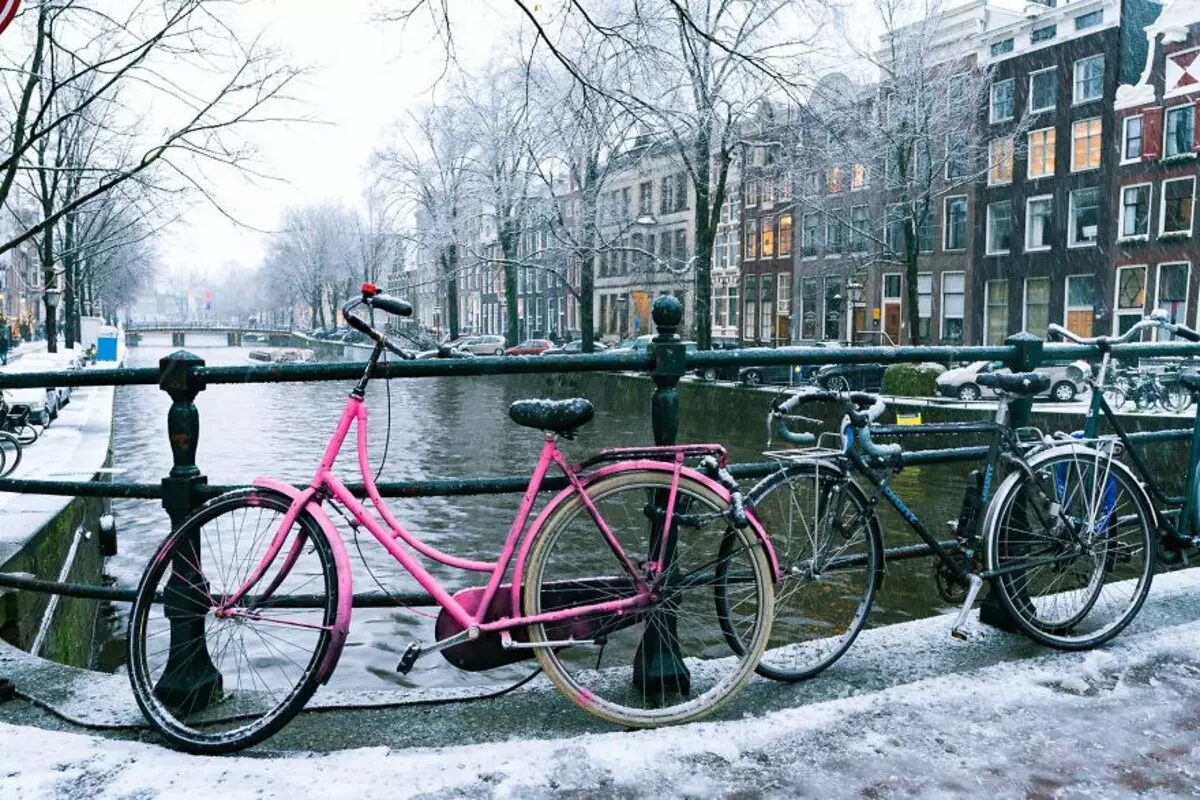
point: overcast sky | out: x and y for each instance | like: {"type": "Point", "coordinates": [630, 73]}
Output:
{"type": "Point", "coordinates": [364, 75]}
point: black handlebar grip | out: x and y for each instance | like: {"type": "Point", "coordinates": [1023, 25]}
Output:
{"type": "Point", "coordinates": [358, 323]}
{"type": "Point", "coordinates": [1184, 332]}
{"type": "Point", "coordinates": [392, 305]}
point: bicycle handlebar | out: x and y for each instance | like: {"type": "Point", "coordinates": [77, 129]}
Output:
{"type": "Point", "coordinates": [1158, 319]}
{"type": "Point", "coordinates": [862, 410]}
{"type": "Point", "coordinates": [372, 297]}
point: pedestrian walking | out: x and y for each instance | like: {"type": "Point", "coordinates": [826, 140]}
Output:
{"type": "Point", "coordinates": [5, 341]}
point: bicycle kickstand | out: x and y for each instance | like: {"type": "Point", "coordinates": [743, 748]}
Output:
{"type": "Point", "coordinates": [959, 631]}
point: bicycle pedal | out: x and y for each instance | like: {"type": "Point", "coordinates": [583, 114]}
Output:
{"type": "Point", "coordinates": [962, 634]}
{"type": "Point", "coordinates": [408, 658]}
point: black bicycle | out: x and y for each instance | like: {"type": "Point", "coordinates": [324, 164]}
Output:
{"type": "Point", "coordinates": [1071, 574]}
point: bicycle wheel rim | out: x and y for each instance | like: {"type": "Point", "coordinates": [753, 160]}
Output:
{"type": "Point", "coordinates": [263, 669]}
{"type": "Point", "coordinates": [831, 562]}
{"type": "Point", "coordinates": [634, 679]}
{"type": "Point", "coordinates": [10, 453]}
{"type": "Point", "coordinates": [1090, 568]}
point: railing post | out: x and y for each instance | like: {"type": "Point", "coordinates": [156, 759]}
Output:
{"type": "Point", "coordinates": [1028, 358]}
{"type": "Point", "coordinates": [190, 681]}
{"type": "Point", "coordinates": [658, 665]}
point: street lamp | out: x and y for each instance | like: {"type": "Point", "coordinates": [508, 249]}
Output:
{"type": "Point", "coordinates": [53, 295]}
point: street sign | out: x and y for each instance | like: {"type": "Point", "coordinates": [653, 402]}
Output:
{"type": "Point", "coordinates": [8, 10]}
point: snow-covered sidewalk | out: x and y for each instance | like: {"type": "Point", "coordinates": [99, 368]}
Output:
{"type": "Point", "coordinates": [1110, 723]}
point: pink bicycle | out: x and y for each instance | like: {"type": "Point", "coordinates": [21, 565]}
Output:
{"type": "Point", "coordinates": [621, 586]}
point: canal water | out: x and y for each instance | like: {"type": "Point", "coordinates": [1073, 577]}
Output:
{"type": "Point", "coordinates": [439, 428]}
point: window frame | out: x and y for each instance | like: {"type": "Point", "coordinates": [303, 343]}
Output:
{"type": "Point", "coordinates": [1134, 237]}
{"type": "Point", "coordinates": [1028, 228]}
{"type": "Point", "coordinates": [987, 234]}
{"type": "Point", "coordinates": [1025, 300]}
{"type": "Point", "coordinates": [942, 293]}
{"type": "Point", "coordinates": [994, 163]}
{"type": "Point", "coordinates": [1117, 312]}
{"type": "Point", "coordinates": [1054, 83]}
{"type": "Point", "coordinates": [1187, 292]}
{"type": "Point", "coordinates": [1075, 82]}
{"type": "Point", "coordinates": [1099, 137]}
{"type": "Point", "coordinates": [1125, 157]}
{"type": "Point", "coordinates": [946, 223]}
{"type": "Point", "coordinates": [857, 236]}
{"type": "Point", "coordinates": [1052, 152]}
{"type": "Point", "coordinates": [818, 229]}
{"type": "Point", "coordinates": [987, 306]}
{"type": "Point", "coordinates": [1189, 152]}
{"type": "Point", "coordinates": [1068, 308]}
{"type": "Point", "coordinates": [1071, 243]}
{"type": "Point", "coordinates": [784, 242]}
{"type": "Point", "coordinates": [992, 118]}
{"type": "Point", "coordinates": [1162, 211]}
{"type": "Point", "coordinates": [1091, 19]}
{"type": "Point", "coordinates": [751, 236]}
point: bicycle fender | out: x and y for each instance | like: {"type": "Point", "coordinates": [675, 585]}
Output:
{"type": "Point", "coordinates": [341, 625]}
{"type": "Point", "coordinates": [601, 474]}
{"type": "Point", "coordinates": [1006, 486]}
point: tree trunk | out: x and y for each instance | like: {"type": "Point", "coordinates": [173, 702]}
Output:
{"type": "Point", "coordinates": [69, 264]}
{"type": "Point", "coordinates": [508, 248]}
{"type": "Point", "coordinates": [587, 256]}
{"type": "Point", "coordinates": [911, 290]}
{"type": "Point", "coordinates": [705, 235]}
{"type": "Point", "coordinates": [47, 248]}
{"type": "Point", "coordinates": [450, 270]}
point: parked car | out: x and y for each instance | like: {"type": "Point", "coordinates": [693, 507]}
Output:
{"type": "Point", "coordinates": [784, 374]}
{"type": "Point", "coordinates": [575, 348]}
{"type": "Point", "coordinates": [850, 377]}
{"type": "Point", "coordinates": [1066, 380]}
{"type": "Point", "coordinates": [67, 360]}
{"type": "Point", "coordinates": [642, 344]}
{"type": "Point", "coordinates": [721, 373]}
{"type": "Point", "coordinates": [490, 345]}
{"type": "Point", "coordinates": [43, 403]}
{"type": "Point", "coordinates": [530, 347]}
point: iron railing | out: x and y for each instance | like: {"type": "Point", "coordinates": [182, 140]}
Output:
{"type": "Point", "coordinates": [184, 375]}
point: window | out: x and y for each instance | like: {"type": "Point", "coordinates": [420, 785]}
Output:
{"type": "Point", "coordinates": [999, 227]}
{"type": "Point", "coordinates": [768, 237]}
{"type": "Point", "coordinates": [1041, 152]}
{"type": "Point", "coordinates": [681, 248]}
{"type": "Point", "coordinates": [1080, 313]}
{"type": "Point", "coordinates": [859, 224]}
{"type": "Point", "coordinates": [1000, 48]}
{"type": "Point", "coordinates": [809, 308]}
{"type": "Point", "coordinates": [1172, 293]}
{"type": "Point", "coordinates": [1000, 166]}
{"type": "Point", "coordinates": [1002, 101]}
{"type": "Point", "coordinates": [925, 305]}
{"type": "Point", "coordinates": [953, 293]}
{"type": "Point", "coordinates": [1037, 306]}
{"type": "Point", "coordinates": [1131, 149]}
{"type": "Point", "coordinates": [783, 296]}
{"type": "Point", "coordinates": [1039, 223]}
{"type": "Point", "coordinates": [895, 229]}
{"type": "Point", "coordinates": [768, 192]}
{"type": "Point", "coordinates": [1091, 20]}
{"type": "Point", "coordinates": [835, 241]}
{"type": "Point", "coordinates": [1131, 297]}
{"type": "Point", "coordinates": [1135, 210]}
{"type": "Point", "coordinates": [1043, 34]}
{"type": "Point", "coordinates": [733, 306]}
{"type": "Point", "coordinates": [1089, 79]}
{"type": "Point", "coordinates": [1181, 131]}
{"type": "Point", "coordinates": [1043, 90]}
{"type": "Point", "coordinates": [766, 310]}
{"type": "Point", "coordinates": [751, 193]}
{"type": "Point", "coordinates": [956, 223]}
{"type": "Point", "coordinates": [925, 233]}
{"type": "Point", "coordinates": [645, 199]}
{"type": "Point", "coordinates": [1177, 206]}
{"type": "Point", "coordinates": [1084, 217]}
{"type": "Point", "coordinates": [810, 237]}
{"type": "Point", "coordinates": [785, 235]}
{"type": "Point", "coordinates": [995, 312]}
{"type": "Point", "coordinates": [751, 238]}
{"type": "Point", "coordinates": [1086, 146]}
{"type": "Point", "coordinates": [835, 180]}
{"type": "Point", "coordinates": [666, 198]}
{"type": "Point", "coordinates": [958, 156]}
{"type": "Point", "coordinates": [681, 191]}
{"type": "Point", "coordinates": [751, 316]}
{"type": "Point", "coordinates": [833, 310]}
{"type": "Point", "coordinates": [858, 177]}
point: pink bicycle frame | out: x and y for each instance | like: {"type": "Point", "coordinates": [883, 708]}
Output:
{"type": "Point", "coordinates": [325, 484]}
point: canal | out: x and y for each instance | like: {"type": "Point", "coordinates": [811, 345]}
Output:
{"type": "Point", "coordinates": [440, 428]}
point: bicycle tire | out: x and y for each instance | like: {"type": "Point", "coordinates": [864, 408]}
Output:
{"type": "Point", "coordinates": [1115, 397]}
{"type": "Point", "coordinates": [810, 604]}
{"type": "Point", "coordinates": [1175, 397]}
{"type": "Point", "coordinates": [625, 689]}
{"type": "Point", "coordinates": [1095, 512]}
{"type": "Point", "coordinates": [11, 452]}
{"type": "Point", "coordinates": [264, 702]}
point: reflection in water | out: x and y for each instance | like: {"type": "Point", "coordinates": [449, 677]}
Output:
{"type": "Point", "coordinates": [439, 428]}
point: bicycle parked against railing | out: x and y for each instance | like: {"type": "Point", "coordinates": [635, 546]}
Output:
{"type": "Point", "coordinates": [1070, 577]}
{"type": "Point", "coordinates": [612, 589]}
{"type": "Point", "coordinates": [1177, 517]}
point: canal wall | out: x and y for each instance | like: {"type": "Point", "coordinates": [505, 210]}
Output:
{"type": "Point", "coordinates": [57, 538]}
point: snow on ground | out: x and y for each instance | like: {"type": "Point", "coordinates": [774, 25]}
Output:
{"type": "Point", "coordinates": [1105, 724]}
